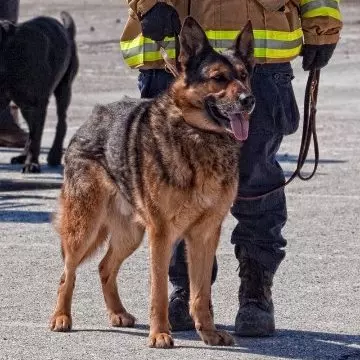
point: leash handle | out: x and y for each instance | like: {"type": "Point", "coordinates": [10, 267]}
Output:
{"type": "Point", "coordinates": [309, 132]}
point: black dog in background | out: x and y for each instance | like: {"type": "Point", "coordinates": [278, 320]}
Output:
{"type": "Point", "coordinates": [38, 58]}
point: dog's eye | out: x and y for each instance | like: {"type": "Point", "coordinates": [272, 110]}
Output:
{"type": "Point", "coordinates": [220, 78]}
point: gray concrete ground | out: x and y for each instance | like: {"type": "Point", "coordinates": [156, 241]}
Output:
{"type": "Point", "coordinates": [317, 288]}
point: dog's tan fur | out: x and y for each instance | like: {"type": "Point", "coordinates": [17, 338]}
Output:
{"type": "Point", "coordinates": [187, 193]}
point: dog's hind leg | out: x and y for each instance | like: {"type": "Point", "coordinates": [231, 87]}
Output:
{"type": "Point", "coordinates": [35, 118]}
{"type": "Point", "coordinates": [61, 319]}
{"type": "Point", "coordinates": [63, 97]}
{"type": "Point", "coordinates": [81, 225]}
{"type": "Point", "coordinates": [201, 244]}
{"type": "Point", "coordinates": [125, 239]}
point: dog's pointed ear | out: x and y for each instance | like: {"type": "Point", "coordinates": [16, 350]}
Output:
{"type": "Point", "coordinates": [193, 40]}
{"type": "Point", "coordinates": [244, 44]}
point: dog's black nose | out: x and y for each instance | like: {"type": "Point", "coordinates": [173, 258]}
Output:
{"type": "Point", "coordinates": [247, 102]}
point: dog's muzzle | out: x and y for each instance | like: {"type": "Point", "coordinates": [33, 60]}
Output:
{"type": "Point", "coordinates": [233, 115]}
{"type": "Point", "coordinates": [247, 102]}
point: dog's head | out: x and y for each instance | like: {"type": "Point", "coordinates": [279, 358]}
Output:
{"type": "Point", "coordinates": [214, 86]}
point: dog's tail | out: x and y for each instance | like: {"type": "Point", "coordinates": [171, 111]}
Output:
{"type": "Point", "coordinates": [69, 23]}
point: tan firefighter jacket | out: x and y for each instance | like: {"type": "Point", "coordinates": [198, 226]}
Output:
{"type": "Point", "coordinates": [280, 27]}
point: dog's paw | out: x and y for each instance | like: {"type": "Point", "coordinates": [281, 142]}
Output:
{"type": "Point", "coordinates": [18, 159]}
{"type": "Point", "coordinates": [161, 341]}
{"type": "Point", "coordinates": [122, 320]}
{"type": "Point", "coordinates": [216, 337]}
{"type": "Point", "coordinates": [32, 168]}
{"type": "Point", "coordinates": [60, 323]}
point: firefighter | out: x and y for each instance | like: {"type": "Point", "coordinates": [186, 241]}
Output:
{"type": "Point", "coordinates": [282, 30]}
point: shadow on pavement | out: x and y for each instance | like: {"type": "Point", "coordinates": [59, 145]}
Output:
{"type": "Point", "coordinates": [25, 216]}
{"type": "Point", "coordinates": [287, 344]}
{"type": "Point", "coordinates": [305, 345]}
{"type": "Point", "coordinates": [9, 208]}
{"type": "Point", "coordinates": [288, 158]}
{"type": "Point", "coordinates": [45, 169]}
{"type": "Point", "coordinates": [43, 150]}
{"type": "Point", "coordinates": [23, 196]}
{"type": "Point", "coordinates": [21, 185]}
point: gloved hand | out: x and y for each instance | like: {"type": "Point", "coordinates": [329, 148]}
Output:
{"type": "Point", "coordinates": [316, 56]}
{"type": "Point", "coordinates": [160, 21]}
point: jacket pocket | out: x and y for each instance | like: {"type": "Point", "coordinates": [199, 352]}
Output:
{"type": "Point", "coordinates": [286, 109]}
{"type": "Point", "coordinates": [276, 110]}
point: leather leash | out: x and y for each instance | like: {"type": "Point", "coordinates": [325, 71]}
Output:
{"type": "Point", "coordinates": [309, 125]}
{"type": "Point", "coordinates": [169, 67]}
{"type": "Point", "coordinates": [308, 134]}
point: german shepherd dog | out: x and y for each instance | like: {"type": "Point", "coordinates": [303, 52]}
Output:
{"type": "Point", "coordinates": [168, 166]}
{"type": "Point", "coordinates": [38, 58]}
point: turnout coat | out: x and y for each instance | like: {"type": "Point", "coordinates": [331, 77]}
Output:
{"type": "Point", "coordinates": [280, 27]}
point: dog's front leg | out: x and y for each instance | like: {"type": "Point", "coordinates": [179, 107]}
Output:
{"type": "Point", "coordinates": [160, 252]}
{"type": "Point", "coordinates": [201, 244]}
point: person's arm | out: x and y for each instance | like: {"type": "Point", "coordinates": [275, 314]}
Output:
{"type": "Point", "coordinates": [321, 24]}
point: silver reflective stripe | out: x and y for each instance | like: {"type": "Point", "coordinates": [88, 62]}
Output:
{"type": "Point", "coordinates": [316, 4]}
{"type": "Point", "coordinates": [221, 44]}
{"type": "Point", "coordinates": [260, 44]}
{"type": "Point", "coordinates": [148, 47]}
{"type": "Point", "coordinates": [277, 44]}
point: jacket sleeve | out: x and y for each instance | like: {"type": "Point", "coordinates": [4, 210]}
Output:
{"type": "Point", "coordinates": [321, 21]}
{"type": "Point", "coordinates": [141, 7]}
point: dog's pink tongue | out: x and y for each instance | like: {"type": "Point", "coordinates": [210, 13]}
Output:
{"type": "Point", "coordinates": [239, 126]}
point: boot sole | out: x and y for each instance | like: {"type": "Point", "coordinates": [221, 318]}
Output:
{"type": "Point", "coordinates": [251, 332]}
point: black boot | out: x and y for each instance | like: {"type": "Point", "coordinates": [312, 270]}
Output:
{"type": "Point", "coordinates": [256, 311]}
{"type": "Point", "coordinates": [179, 315]}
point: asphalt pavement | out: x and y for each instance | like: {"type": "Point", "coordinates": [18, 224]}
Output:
{"type": "Point", "coordinates": [317, 287]}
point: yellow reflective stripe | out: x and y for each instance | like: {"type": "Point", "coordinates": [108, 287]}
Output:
{"type": "Point", "coordinates": [221, 34]}
{"type": "Point", "coordinates": [144, 57]}
{"type": "Point", "coordinates": [268, 43]}
{"type": "Point", "coordinates": [141, 40]}
{"type": "Point", "coordinates": [278, 35]}
{"type": "Point", "coordinates": [313, 8]}
{"type": "Point", "coordinates": [324, 11]}
{"type": "Point", "coordinates": [303, 2]}
{"type": "Point", "coordinates": [277, 53]}
{"type": "Point", "coordinates": [258, 34]}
